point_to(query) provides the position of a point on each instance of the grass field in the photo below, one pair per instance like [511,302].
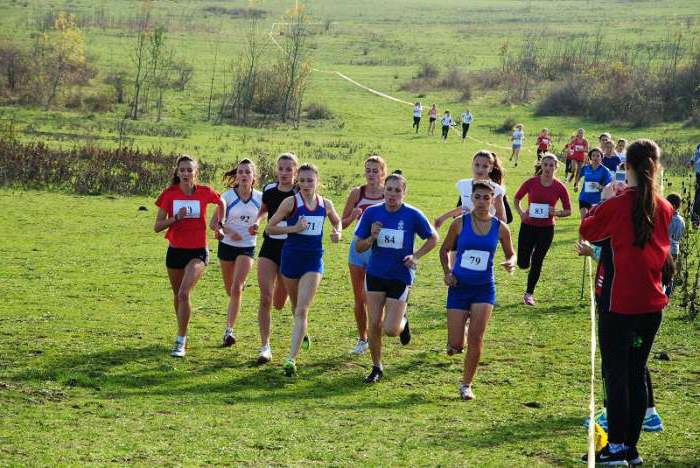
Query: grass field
[86,321]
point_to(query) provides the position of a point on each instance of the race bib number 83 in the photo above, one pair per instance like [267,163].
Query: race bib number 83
[390,239]
[539,210]
[475,260]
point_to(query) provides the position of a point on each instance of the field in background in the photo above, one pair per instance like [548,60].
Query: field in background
[86,321]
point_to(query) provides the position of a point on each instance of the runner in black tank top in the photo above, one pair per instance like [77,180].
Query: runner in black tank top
[272,291]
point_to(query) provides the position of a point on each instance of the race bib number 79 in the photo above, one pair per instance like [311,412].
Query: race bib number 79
[390,239]
[476,260]
[192,207]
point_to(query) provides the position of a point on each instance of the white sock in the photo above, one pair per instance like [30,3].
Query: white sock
[181,339]
[229,330]
[651,412]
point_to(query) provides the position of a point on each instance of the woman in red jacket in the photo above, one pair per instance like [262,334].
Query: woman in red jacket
[632,230]
[182,210]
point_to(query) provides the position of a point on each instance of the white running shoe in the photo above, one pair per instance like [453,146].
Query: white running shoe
[178,350]
[361,347]
[465,392]
[265,355]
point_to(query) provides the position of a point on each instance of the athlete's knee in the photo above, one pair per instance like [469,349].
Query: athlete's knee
[237,289]
[183,295]
[390,330]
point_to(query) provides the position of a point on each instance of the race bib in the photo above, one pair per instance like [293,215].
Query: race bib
[280,236]
[591,187]
[242,220]
[545,141]
[475,260]
[390,239]
[620,176]
[579,147]
[192,207]
[539,210]
[315,226]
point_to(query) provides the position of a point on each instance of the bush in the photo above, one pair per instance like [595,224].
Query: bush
[507,125]
[89,169]
[428,71]
[316,111]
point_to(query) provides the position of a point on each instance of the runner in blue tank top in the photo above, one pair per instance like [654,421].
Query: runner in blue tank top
[471,283]
[302,253]
[389,230]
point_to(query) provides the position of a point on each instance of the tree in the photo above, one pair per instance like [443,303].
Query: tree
[139,58]
[294,64]
[57,58]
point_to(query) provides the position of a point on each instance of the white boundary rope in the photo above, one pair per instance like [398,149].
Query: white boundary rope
[371,90]
[591,402]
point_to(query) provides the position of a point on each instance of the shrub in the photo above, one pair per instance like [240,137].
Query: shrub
[428,71]
[316,111]
[89,169]
[507,125]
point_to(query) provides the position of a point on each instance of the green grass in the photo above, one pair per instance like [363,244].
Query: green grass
[86,320]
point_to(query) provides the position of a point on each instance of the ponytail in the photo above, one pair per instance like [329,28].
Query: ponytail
[497,171]
[230,176]
[642,157]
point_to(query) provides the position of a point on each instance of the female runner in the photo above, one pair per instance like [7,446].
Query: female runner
[302,253]
[595,177]
[537,223]
[359,199]
[237,247]
[485,165]
[272,290]
[182,211]
[389,230]
[472,285]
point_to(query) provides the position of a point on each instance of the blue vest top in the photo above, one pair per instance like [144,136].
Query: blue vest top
[310,240]
[474,259]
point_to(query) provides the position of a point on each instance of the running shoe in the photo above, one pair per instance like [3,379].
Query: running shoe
[405,335]
[605,457]
[290,367]
[652,423]
[374,376]
[601,420]
[178,350]
[528,299]
[633,457]
[265,355]
[229,339]
[361,347]
[465,392]
[306,343]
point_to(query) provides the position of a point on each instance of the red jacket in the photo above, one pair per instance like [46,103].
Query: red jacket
[628,280]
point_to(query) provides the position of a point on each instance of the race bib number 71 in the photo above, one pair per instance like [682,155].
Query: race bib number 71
[315,226]
[390,239]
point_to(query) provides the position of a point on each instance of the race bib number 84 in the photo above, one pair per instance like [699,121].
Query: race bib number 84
[476,260]
[390,239]
[192,207]
[539,210]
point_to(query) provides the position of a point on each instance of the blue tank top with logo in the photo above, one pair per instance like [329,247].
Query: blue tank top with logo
[474,259]
[311,239]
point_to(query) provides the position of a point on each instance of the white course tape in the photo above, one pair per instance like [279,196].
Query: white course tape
[591,402]
[374,91]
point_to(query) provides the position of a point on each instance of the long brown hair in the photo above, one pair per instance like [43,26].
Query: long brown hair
[497,172]
[642,158]
[185,157]
[230,176]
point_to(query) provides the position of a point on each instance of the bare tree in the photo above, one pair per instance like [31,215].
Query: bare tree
[139,58]
[294,62]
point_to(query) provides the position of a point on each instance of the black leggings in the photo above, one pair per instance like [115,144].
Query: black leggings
[625,344]
[533,244]
[465,130]
[647,380]
[696,203]
[445,129]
